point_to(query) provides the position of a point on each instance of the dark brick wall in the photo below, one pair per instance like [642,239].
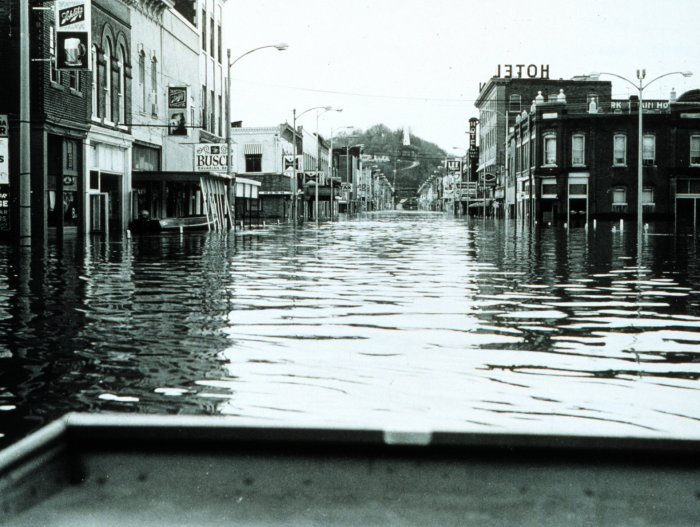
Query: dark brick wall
[672,159]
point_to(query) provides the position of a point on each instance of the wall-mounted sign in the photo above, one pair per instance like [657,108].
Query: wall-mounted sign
[211,157]
[177,110]
[651,105]
[523,71]
[4,151]
[72,34]
[4,208]
[454,165]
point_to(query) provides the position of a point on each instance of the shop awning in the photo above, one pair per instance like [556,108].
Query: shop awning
[252,148]
[142,177]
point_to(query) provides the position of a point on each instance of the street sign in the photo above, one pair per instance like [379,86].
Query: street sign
[73,39]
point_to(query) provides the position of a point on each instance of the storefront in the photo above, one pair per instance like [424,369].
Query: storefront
[108,183]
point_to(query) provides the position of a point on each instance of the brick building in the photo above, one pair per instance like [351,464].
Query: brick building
[499,101]
[565,165]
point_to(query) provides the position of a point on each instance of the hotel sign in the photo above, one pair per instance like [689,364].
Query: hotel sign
[523,71]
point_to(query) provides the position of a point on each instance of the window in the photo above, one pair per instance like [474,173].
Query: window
[221,113]
[204,30]
[549,188]
[74,81]
[218,43]
[154,87]
[578,143]
[578,189]
[212,110]
[107,82]
[121,87]
[649,150]
[515,102]
[695,150]
[93,59]
[212,34]
[142,79]
[253,163]
[648,198]
[550,149]
[619,199]
[204,107]
[620,150]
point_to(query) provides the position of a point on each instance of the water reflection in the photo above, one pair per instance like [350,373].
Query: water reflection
[392,320]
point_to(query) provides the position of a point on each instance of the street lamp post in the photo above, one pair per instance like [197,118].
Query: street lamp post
[293,183]
[318,158]
[640,86]
[332,168]
[232,177]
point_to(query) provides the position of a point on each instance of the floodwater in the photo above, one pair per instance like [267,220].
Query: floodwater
[390,320]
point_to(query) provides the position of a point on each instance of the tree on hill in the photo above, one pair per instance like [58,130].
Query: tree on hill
[413,164]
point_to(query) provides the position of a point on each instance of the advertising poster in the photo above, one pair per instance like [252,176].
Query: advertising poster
[72,34]
[177,110]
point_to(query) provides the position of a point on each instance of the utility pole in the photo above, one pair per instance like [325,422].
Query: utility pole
[25,192]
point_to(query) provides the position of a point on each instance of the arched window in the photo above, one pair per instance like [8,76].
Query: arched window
[121,89]
[154,87]
[95,80]
[107,81]
[142,79]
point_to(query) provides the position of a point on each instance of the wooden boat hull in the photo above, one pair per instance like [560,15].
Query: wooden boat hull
[143,470]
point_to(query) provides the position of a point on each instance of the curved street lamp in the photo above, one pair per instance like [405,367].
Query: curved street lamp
[232,177]
[640,86]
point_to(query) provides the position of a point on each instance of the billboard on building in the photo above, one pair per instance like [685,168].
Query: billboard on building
[72,34]
[177,110]
[211,157]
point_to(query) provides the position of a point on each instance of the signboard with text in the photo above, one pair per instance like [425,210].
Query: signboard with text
[72,34]
[211,157]
[4,208]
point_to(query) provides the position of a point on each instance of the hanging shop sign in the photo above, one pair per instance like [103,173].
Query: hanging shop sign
[72,34]
[211,157]
[177,110]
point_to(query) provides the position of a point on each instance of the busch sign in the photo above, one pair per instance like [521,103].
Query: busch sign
[211,157]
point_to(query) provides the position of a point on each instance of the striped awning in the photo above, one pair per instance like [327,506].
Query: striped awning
[255,148]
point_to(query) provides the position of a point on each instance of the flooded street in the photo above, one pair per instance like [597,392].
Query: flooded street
[392,320]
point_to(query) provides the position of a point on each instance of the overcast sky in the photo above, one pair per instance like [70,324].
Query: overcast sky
[419,63]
